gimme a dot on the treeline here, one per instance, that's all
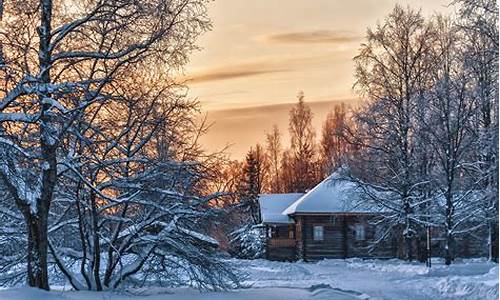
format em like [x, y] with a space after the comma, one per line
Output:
[273, 167]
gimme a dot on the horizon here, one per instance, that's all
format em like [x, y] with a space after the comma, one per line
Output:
[231, 124]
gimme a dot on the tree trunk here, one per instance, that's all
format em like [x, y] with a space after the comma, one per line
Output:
[37, 222]
[448, 255]
[37, 252]
[409, 252]
[407, 232]
[493, 241]
[96, 267]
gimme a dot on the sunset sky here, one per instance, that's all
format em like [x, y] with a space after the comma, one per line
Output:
[260, 53]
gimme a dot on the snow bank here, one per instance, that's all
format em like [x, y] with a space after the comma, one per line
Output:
[389, 266]
[319, 293]
[470, 287]
[327, 279]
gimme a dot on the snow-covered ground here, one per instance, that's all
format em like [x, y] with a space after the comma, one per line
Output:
[328, 279]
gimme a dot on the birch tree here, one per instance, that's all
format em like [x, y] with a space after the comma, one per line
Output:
[449, 123]
[479, 28]
[274, 152]
[391, 74]
[302, 147]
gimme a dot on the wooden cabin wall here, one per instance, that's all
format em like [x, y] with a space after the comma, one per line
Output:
[469, 245]
[340, 239]
[333, 245]
[287, 250]
[473, 244]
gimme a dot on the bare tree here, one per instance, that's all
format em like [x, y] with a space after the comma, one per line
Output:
[448, 122]
[392, 72]
[59, 66]
[274, 153]
[333, 145]
[302, 146]
[479, 28]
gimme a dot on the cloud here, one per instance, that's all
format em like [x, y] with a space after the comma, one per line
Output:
[263, 65]
[234, 71]
[312, 37]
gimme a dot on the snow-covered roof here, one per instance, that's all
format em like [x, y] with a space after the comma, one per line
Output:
[332, 195]
[272, 206]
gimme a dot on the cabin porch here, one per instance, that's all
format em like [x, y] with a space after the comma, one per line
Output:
[281, 243]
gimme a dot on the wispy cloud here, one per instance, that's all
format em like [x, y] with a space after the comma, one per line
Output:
[264, 65]
[312, 37]
[234, 71]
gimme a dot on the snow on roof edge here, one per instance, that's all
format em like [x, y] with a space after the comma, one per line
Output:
[331, 195]
[272, 205]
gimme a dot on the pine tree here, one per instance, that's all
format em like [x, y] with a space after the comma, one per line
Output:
[252, 183]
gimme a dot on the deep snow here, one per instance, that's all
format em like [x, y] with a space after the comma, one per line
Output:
[328, 279]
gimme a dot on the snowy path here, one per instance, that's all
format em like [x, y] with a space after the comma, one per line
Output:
[320, 293]
[392, 279]
[329, 279]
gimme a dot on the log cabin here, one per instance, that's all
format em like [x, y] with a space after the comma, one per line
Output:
[330, 221]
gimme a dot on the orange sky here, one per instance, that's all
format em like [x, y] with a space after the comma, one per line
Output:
[260, 53]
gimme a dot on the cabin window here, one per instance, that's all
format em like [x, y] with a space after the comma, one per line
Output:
[360, 232]
[318, 233]
[291, 234]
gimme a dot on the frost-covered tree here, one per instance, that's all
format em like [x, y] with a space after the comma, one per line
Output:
[138, 197]
[427, 134]
[60, 63]
[479, 28]
[247, 240]
[391, 74]
[448, 122]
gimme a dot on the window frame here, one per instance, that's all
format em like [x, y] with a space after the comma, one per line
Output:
[318, 238]
[360, 232]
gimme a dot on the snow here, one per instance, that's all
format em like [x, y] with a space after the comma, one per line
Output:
[182, 294]
[202, 237]
[272, 206]
[327, 279]
[381, 279]
[330, 196]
